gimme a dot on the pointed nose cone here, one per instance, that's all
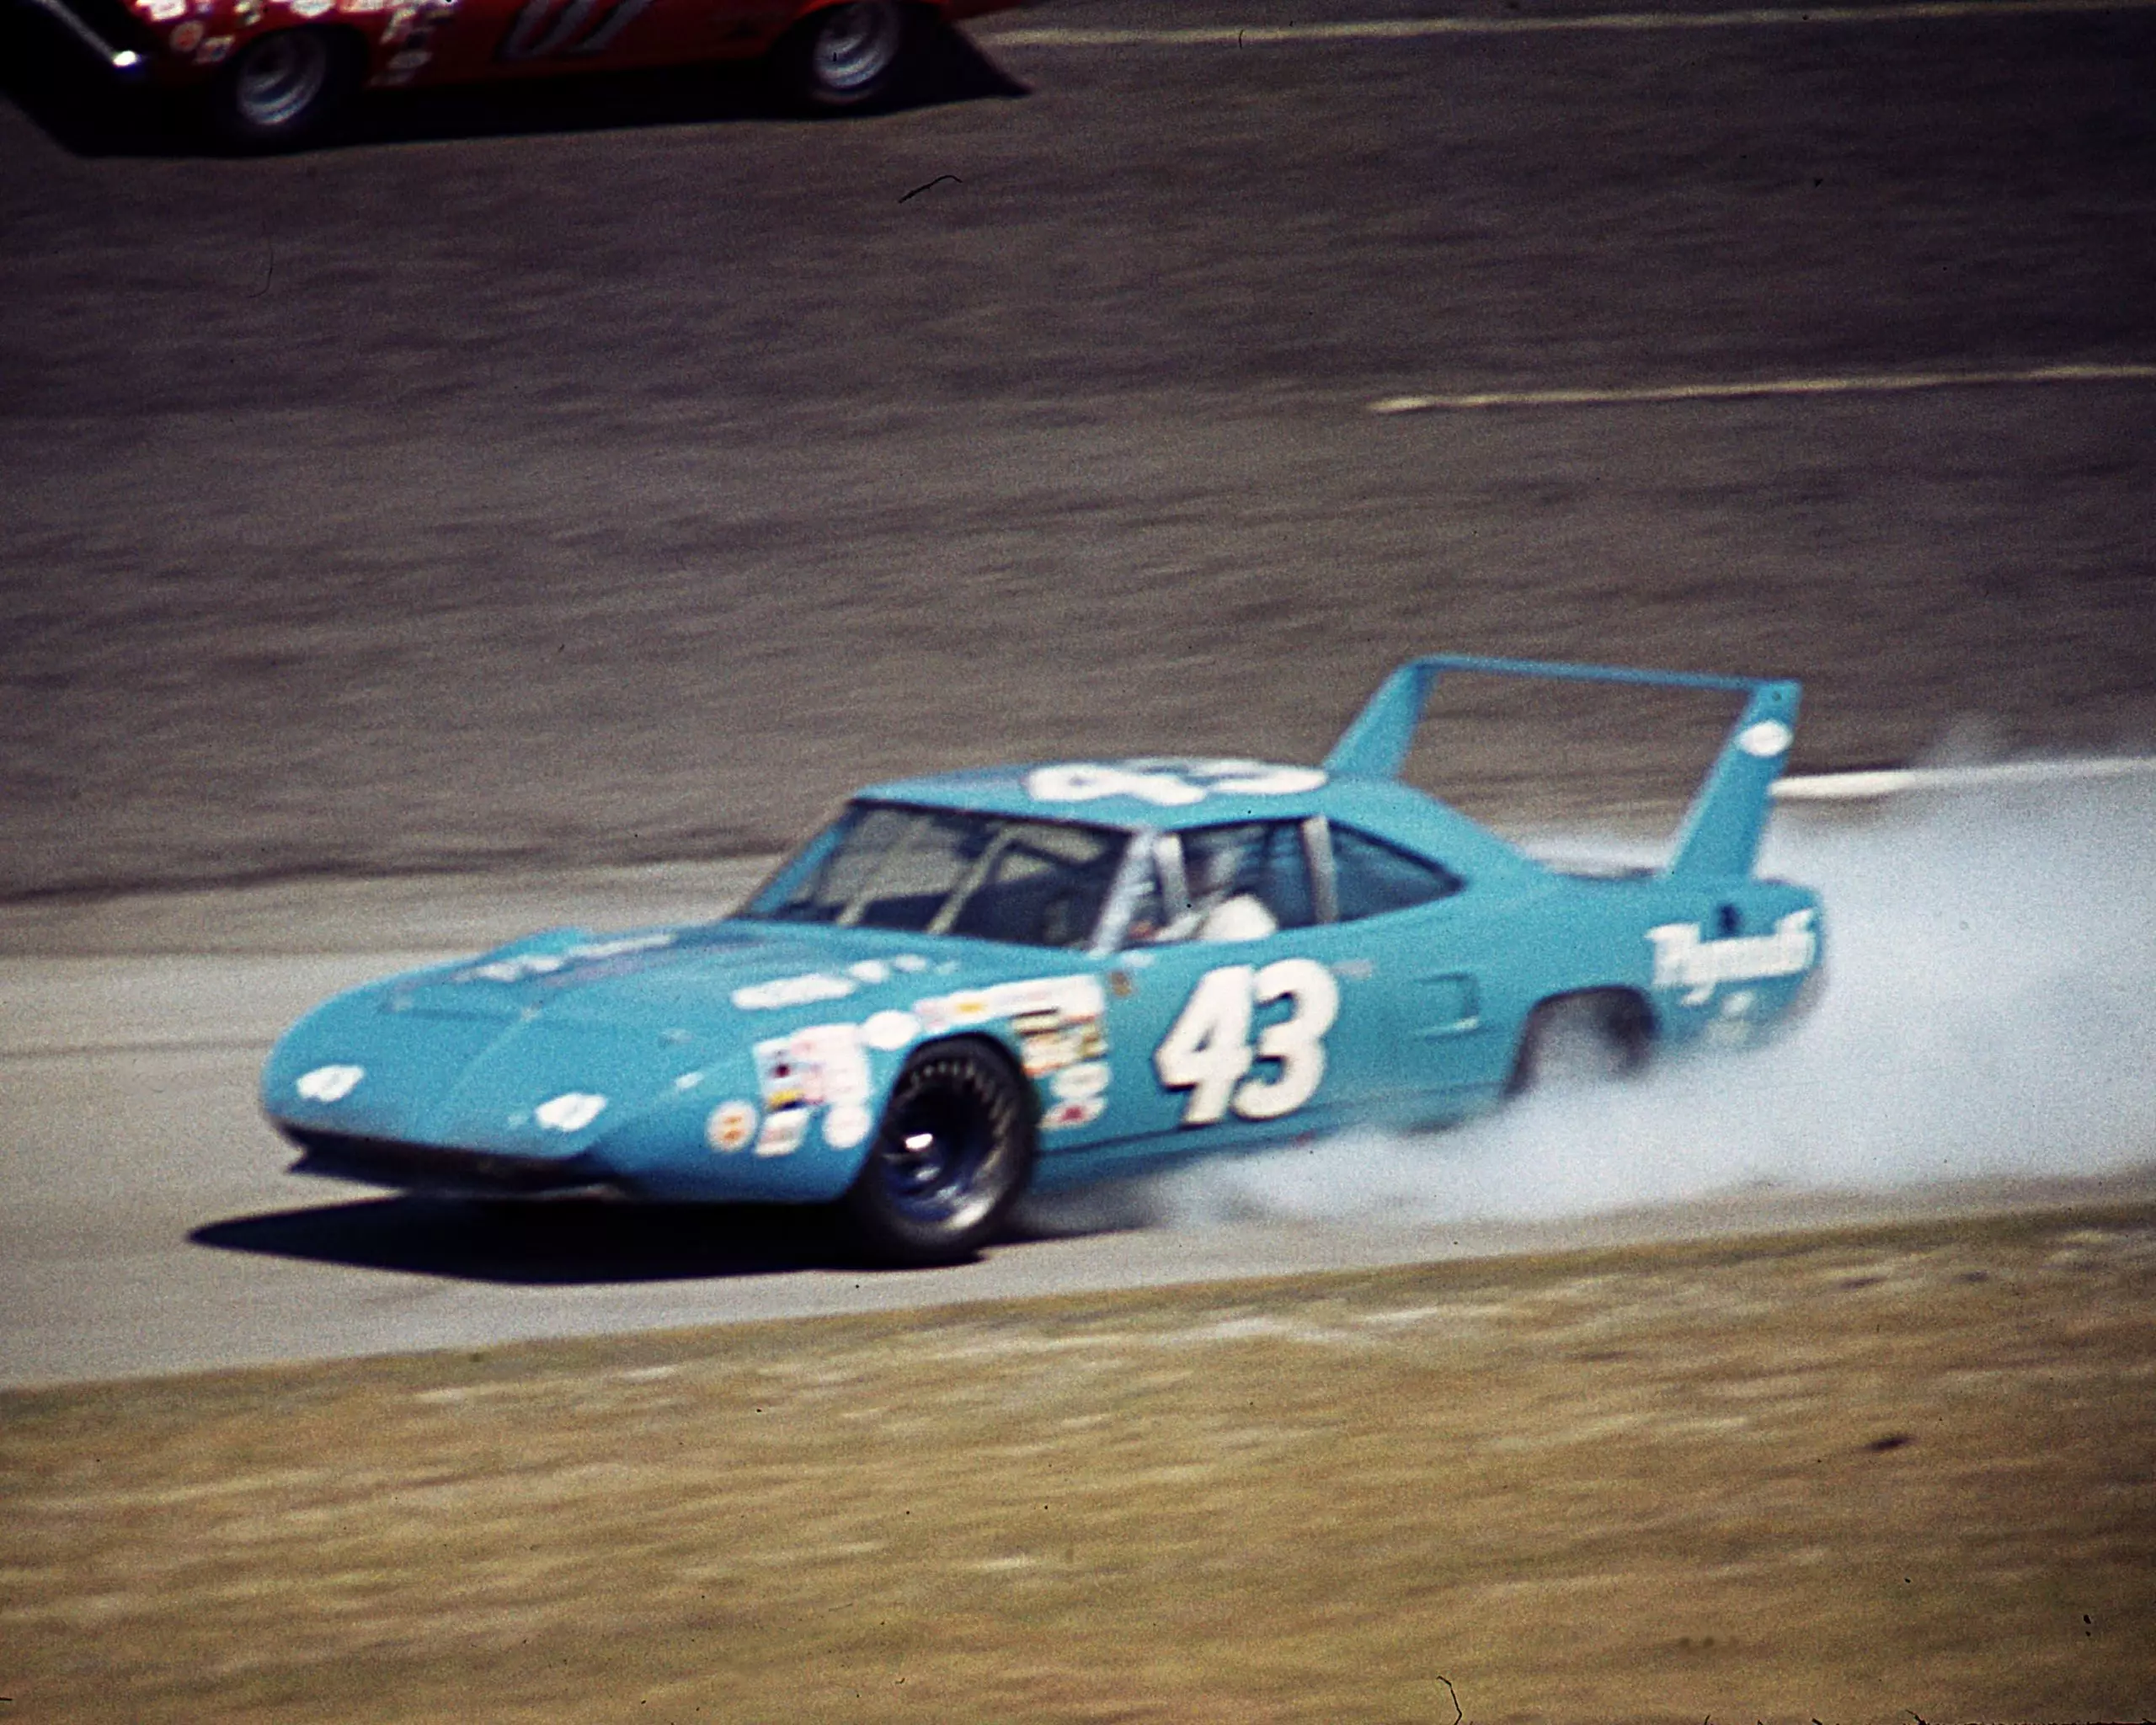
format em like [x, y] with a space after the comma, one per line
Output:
[553, 1089]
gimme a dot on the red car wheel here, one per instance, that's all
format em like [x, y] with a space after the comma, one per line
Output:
[851, 55]
[281, 90]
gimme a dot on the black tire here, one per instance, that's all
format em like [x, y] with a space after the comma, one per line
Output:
[1590, 1038]
[954, 1152]
[284, 89]
[856, 54]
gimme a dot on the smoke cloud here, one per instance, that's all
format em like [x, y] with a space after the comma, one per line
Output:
[1990, 1012]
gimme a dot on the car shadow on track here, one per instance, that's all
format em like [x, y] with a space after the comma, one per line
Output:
[562, 1242]
[556, 1243]
[89, 114]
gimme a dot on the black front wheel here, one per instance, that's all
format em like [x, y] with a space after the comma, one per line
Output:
[954, 1153]
[854, 54]
[284, 89]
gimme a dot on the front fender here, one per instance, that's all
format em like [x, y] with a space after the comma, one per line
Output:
[792, 1124]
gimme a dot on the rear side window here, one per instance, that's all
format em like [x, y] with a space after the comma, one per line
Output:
[1263, 859]
[1371, 877]
[1239, 882]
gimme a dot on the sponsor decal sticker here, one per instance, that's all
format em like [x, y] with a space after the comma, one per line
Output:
[888, 1031]
[1051, 1050]
[213, 50]
[164, 11]
[792, 991]
[1766, 738]
[817, 1063]
[1082, 1083]
[782, 1132]
[516, 969]
[187, 37]
[731, 1126]
[621, 943]
[329, 1083]
[845, 1125]
[308, 9]
[832, 1052]
[1684, 959]
[570, 1112]
[1065, 1115]
[1059, 1020]
[785, 1081]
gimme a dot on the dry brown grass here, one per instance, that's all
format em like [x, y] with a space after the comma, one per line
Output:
[1832, 1478]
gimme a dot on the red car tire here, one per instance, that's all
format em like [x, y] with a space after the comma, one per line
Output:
[853, 55]
[284, 89]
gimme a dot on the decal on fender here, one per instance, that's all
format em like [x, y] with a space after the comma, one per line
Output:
[1684, 959]
[571, 1111]
[329, 1083]
[782, 1132]
[731, 1126]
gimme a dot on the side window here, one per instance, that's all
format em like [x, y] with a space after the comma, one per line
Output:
[917, 873]
[1044, 887]
[1371, 877]
[1243, 881]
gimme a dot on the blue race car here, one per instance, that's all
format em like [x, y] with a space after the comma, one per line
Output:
[975, 983]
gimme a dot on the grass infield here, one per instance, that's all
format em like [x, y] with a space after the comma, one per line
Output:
[1856, 1477]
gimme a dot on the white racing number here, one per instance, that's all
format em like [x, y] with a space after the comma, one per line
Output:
[1167, 783]
[1209, 1052]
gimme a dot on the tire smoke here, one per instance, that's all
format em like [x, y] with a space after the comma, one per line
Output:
[1990, 1012]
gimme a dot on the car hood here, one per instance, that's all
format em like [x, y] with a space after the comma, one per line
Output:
[548, 1047]
[655, 976]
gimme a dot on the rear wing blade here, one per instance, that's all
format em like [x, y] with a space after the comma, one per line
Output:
[1722, 831]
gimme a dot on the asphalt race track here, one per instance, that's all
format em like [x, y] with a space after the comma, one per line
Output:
[150, 1227]
[524, 483]
[585, 477]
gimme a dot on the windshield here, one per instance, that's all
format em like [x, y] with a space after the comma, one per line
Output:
[942, 871]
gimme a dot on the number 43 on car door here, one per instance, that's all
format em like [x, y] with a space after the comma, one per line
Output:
[1209, 1052]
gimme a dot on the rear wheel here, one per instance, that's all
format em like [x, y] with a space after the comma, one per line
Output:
[282, 89]
[953, 1154]
[1583, 1038]
[852, 55]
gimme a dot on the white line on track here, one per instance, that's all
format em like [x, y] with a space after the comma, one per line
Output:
[1892, 781]
[1400, 29]
[1857, 383]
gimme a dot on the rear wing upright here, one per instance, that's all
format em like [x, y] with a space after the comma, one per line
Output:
[1722, 831]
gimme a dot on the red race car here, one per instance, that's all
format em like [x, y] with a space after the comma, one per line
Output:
[272, 72]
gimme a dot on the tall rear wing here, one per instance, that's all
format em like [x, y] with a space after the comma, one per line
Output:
[1722, 831]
